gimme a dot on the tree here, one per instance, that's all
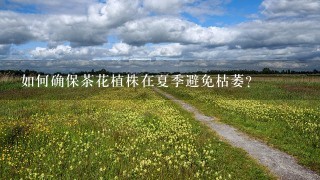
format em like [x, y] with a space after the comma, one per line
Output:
[266, 71]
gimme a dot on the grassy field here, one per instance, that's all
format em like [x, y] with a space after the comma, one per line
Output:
[113, 133]
[283, 111]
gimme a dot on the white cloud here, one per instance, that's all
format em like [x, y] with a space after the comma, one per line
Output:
[19, 29]
[77, 30]
[289, 29]
[169, 50]
[14, 29]
[4, 49]
[121, 49]
[206, 8]
[289, 8]
[166, 6]
[277, 33]
[196, 8]
[80, 30]
[115, 12]
[283, 65]
[61, 52]
[168, 29]
[224, 53]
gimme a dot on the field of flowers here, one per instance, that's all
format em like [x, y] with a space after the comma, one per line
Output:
[112, 134]
[284, 112]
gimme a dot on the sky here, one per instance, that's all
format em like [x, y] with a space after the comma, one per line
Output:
[159, 30]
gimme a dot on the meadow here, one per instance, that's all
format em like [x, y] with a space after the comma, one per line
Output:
[110, 133]
[283, 111]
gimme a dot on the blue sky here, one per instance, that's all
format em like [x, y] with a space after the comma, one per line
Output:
[167, 29]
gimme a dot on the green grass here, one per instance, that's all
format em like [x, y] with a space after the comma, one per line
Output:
[115, 133]
[282, 111]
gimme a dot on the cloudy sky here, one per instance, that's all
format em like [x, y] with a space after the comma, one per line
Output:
[160, 29]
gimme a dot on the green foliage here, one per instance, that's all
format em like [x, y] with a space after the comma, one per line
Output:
[114, 133]
[283, 111]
